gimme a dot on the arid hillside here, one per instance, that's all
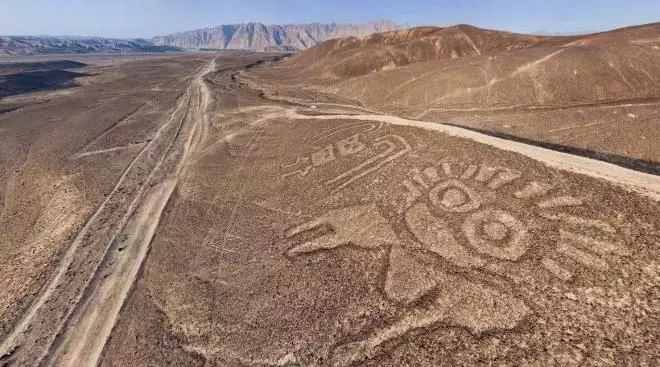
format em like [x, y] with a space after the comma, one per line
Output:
[227, 209]
[538, 87]
[355, 56]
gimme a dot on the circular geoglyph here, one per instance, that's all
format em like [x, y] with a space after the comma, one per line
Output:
[496, 233]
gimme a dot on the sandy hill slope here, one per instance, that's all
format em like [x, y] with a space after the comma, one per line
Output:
[355, 56]
[258, 36]
[165, 213]
[565, 90]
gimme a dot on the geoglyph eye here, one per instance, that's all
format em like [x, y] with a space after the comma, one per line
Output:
[454, 196]
[496, 233]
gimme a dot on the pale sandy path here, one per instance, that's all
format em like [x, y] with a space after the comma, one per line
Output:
[109, 150]
[14, 338]
[82, 342]
[646, 184]
[90, 327]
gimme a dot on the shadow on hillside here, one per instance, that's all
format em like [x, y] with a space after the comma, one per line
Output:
[28, 77]
[641, 165]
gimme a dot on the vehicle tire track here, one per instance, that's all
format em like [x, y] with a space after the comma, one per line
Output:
[107, 130]
[108, 150]
[34, 333]
[83, 339]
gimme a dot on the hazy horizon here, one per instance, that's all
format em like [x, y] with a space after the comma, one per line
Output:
[149, 18]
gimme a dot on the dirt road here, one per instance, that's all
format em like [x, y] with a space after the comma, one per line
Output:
[644, 183]
[261, 230]
[81, 343]
[315, 233]
[99, 267]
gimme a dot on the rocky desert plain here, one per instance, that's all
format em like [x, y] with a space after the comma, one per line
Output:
[421, 197]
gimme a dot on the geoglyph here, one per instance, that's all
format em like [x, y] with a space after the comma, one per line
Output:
[451, 211]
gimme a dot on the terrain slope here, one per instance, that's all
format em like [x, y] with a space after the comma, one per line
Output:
[27, 77]
[595, 95]
[311, 231]
[75, 169]
[248, 209]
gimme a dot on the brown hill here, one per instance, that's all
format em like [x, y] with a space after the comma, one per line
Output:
[355, 56]
[529, 86]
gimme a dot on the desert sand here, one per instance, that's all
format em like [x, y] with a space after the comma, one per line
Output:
[246, 209]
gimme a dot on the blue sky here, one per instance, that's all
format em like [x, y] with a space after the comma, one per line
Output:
[146, 18]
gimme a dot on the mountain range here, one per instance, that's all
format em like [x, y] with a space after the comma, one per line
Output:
[38, 45]
[261, 37]
[246, 36]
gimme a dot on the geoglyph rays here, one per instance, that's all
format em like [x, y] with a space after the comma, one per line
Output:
[486, 234]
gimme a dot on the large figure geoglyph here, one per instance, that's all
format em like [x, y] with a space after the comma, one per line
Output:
[458, 228]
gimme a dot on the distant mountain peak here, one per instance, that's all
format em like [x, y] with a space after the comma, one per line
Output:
[260, 37]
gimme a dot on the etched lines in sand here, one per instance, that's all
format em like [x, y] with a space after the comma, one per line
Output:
[643, 183]
[109, 150]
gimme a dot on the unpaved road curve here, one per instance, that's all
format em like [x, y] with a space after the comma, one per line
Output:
[82, 342]
[75, 284]
[640, 182]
